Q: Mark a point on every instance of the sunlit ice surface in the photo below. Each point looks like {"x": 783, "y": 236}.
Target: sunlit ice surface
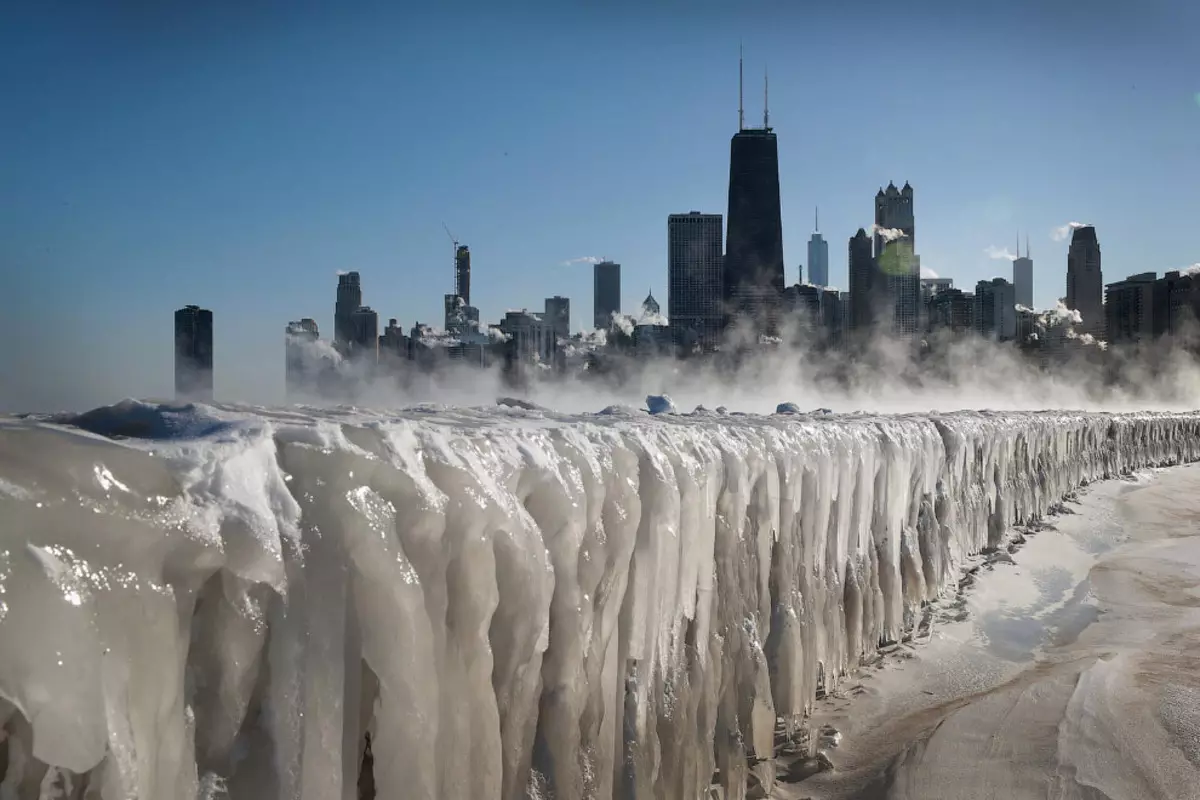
{"x": 503, "y": 601}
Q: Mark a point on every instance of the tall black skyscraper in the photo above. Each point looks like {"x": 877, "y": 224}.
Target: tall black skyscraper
{"x": 868, "y": 291}
{"x": 606, "y": 293}
{"x": 1085, "y": 280}
{"x": 194, "y": 354}
{"x": 753, "y": 270}
{"x": 349, "y": 298}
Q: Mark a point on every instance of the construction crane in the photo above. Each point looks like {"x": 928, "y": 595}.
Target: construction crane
{"x": 451, "y": 235}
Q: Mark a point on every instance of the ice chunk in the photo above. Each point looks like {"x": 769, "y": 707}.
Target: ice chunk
{"x": 660, "y": 404}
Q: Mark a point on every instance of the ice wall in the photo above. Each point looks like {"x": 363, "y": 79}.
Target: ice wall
{"x": 197, "y": 601}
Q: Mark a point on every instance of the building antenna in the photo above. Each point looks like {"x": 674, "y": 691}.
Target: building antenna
{"x": 1027, "y": 244}
{"x": 766, "y": 103}
{"x": 741, "y": 109}
{"x": 817, "y": 219}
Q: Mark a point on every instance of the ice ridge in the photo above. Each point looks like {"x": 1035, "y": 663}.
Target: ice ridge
{"x": 505, "y": 602}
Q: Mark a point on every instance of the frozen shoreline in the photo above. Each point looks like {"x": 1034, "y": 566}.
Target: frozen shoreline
{"x": 589, "y": 606}
{"x": 1073, "y": 674}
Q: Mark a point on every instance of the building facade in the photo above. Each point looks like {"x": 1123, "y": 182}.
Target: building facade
{"x": 1129, "y": 309}
{"x": 606, "y": 293}
{"x": 301, "y": 366}
{"x": 833, "y": 314}
{"x": 1085, "y": 281}
{"x": 995, "y": 310}
{"x": 364, "y": 334}
{"x": 529, "y": 337}
{"x": 932, "y": 286}
{"x": 558, "y": 316}
{"x": 194, "y": 354}
{"x": 695, "y": 280}
{"x": 393, "y": 343}
{"x": 867, "y": 290}
{"x": 951, "y": 310}
{"x": 1177, "y": 303}
{"x": 753, "y": 271}
{"x": 462, "y": 273}
{"x": 349, "y": 300}
{"x": 895, "y": 256}
{"x": 818, "y": 257}
{"x": 1022, "y": 269}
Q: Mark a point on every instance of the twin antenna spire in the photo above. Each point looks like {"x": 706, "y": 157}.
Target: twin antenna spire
{"x": 1019, "y": 245}
{"x": 741, "y": 104}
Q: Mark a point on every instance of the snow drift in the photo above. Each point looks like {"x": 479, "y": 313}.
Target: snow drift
{"x": 197, "y": 601}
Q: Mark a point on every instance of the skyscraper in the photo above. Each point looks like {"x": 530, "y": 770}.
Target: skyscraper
{"x": 894, "y": 209}
{"x": 695, "y": 255}
{"x": 867, "y": 290}
{"x": 1023, "y": 276}
{"x": 349, "y": 299}
{"x": 606, "y": 293}
{"x": 194, "y": 354}
{"x": 995, "y": 309}
{"x": 364, "y": 334}
{"x": 301, "y": 364}
{"x": 462, "y": 273}
{"x": 1085, "y": 280}
{"x": 1129, "y": 309}
{"x": 951, "y": 310}
{"x": 460, "y": 318}
{"x": 818, "y": 256}
{"x": 558, "y": 316}
{"x": 754, "y": 275}
{"x": 895, "y": 254}
{"x": 832, "y": 314}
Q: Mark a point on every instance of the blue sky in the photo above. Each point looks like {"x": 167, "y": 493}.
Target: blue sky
{"x": 155, "y": 154}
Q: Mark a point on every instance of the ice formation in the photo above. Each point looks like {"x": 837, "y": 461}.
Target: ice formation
{"x": 511, "y": 603}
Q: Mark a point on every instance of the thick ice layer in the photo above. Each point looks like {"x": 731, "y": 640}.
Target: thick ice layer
{"x": 511, "y": 603}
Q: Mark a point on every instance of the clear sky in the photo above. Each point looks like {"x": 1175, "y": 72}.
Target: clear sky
{"x": 236, "y": 155}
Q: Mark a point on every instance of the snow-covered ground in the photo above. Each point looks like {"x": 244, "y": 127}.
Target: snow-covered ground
{"x": 1069, "y": 668}
{"x": 511, "y": 602}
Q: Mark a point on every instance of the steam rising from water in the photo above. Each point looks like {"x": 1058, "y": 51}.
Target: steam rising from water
{"x": 882, "y": 373}
{"x": 887, "y": 374}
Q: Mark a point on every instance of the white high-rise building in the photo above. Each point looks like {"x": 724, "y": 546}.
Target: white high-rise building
{"x": 818, "y": 256}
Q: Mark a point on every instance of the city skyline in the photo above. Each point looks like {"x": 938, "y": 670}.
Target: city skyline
{"x": 196, "y": 185}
